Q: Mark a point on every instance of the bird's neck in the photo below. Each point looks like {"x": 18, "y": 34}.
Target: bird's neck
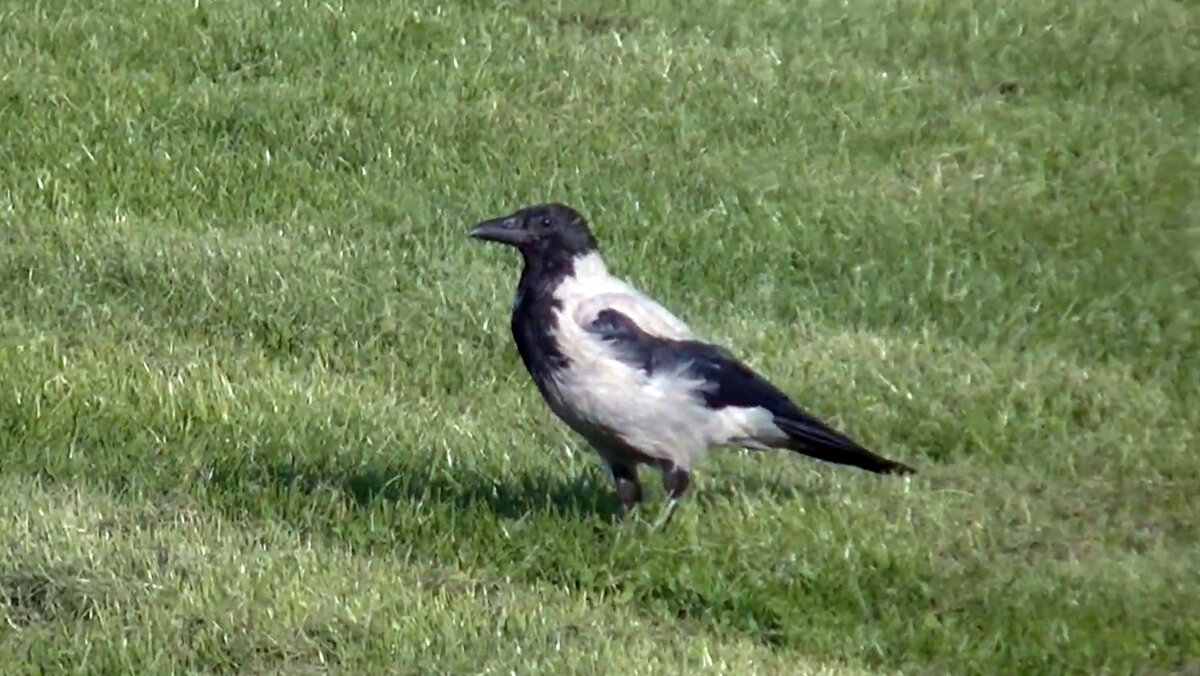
{"x": 535, "y": 309}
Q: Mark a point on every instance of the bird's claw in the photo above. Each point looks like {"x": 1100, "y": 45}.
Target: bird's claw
{"x": 667, "y": 513}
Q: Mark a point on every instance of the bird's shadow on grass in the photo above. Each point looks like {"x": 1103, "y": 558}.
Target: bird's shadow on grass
{"x": 517, "y": 495}
{"x": 513, "y": 497}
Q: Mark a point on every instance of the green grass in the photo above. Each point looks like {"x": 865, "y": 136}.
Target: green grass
{"x": 260, "y": 411}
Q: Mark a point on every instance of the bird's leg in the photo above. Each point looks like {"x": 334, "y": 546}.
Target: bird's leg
{"x": 675, "y": 482}
{"x": 629, "y": 490}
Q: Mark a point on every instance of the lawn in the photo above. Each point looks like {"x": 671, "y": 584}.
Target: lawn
{"x": 260, "y": 411}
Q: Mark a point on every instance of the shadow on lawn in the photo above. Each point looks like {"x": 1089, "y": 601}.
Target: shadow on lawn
{"x": 510, "y": 498}
{"x": 584, "y": 495}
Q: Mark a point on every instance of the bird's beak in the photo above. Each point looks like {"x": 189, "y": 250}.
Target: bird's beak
{"x": 506, "y": 230}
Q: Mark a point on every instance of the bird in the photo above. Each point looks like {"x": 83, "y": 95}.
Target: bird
{"x": 632, "y": 378}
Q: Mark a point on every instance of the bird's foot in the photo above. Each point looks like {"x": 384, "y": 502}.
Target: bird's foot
{"x": 629, "y": 494}
{"x": 675, "y": 481}
{"x": 624, "y": 513}
{"x": 667, "y": 514}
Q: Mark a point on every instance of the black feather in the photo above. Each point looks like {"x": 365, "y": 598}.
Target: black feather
{"x": 534, "y": 307}
{"x": 729, "y": 382}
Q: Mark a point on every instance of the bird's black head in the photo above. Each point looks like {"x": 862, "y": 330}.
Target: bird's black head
{"x": 542, "y": 231}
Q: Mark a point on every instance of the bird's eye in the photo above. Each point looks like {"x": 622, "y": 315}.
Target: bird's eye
{"x": 545, "y": 223}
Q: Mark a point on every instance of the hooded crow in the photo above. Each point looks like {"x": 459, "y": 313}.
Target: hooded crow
{"x": 631, "y": 378}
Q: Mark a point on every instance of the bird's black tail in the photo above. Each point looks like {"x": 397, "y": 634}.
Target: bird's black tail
{"x": 811, "y": 437}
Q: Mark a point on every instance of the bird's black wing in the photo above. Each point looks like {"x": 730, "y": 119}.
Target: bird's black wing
{"x": 629, "y": 341}
{"x": 726, "y": 381}
{"x": 732, "y": 383}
